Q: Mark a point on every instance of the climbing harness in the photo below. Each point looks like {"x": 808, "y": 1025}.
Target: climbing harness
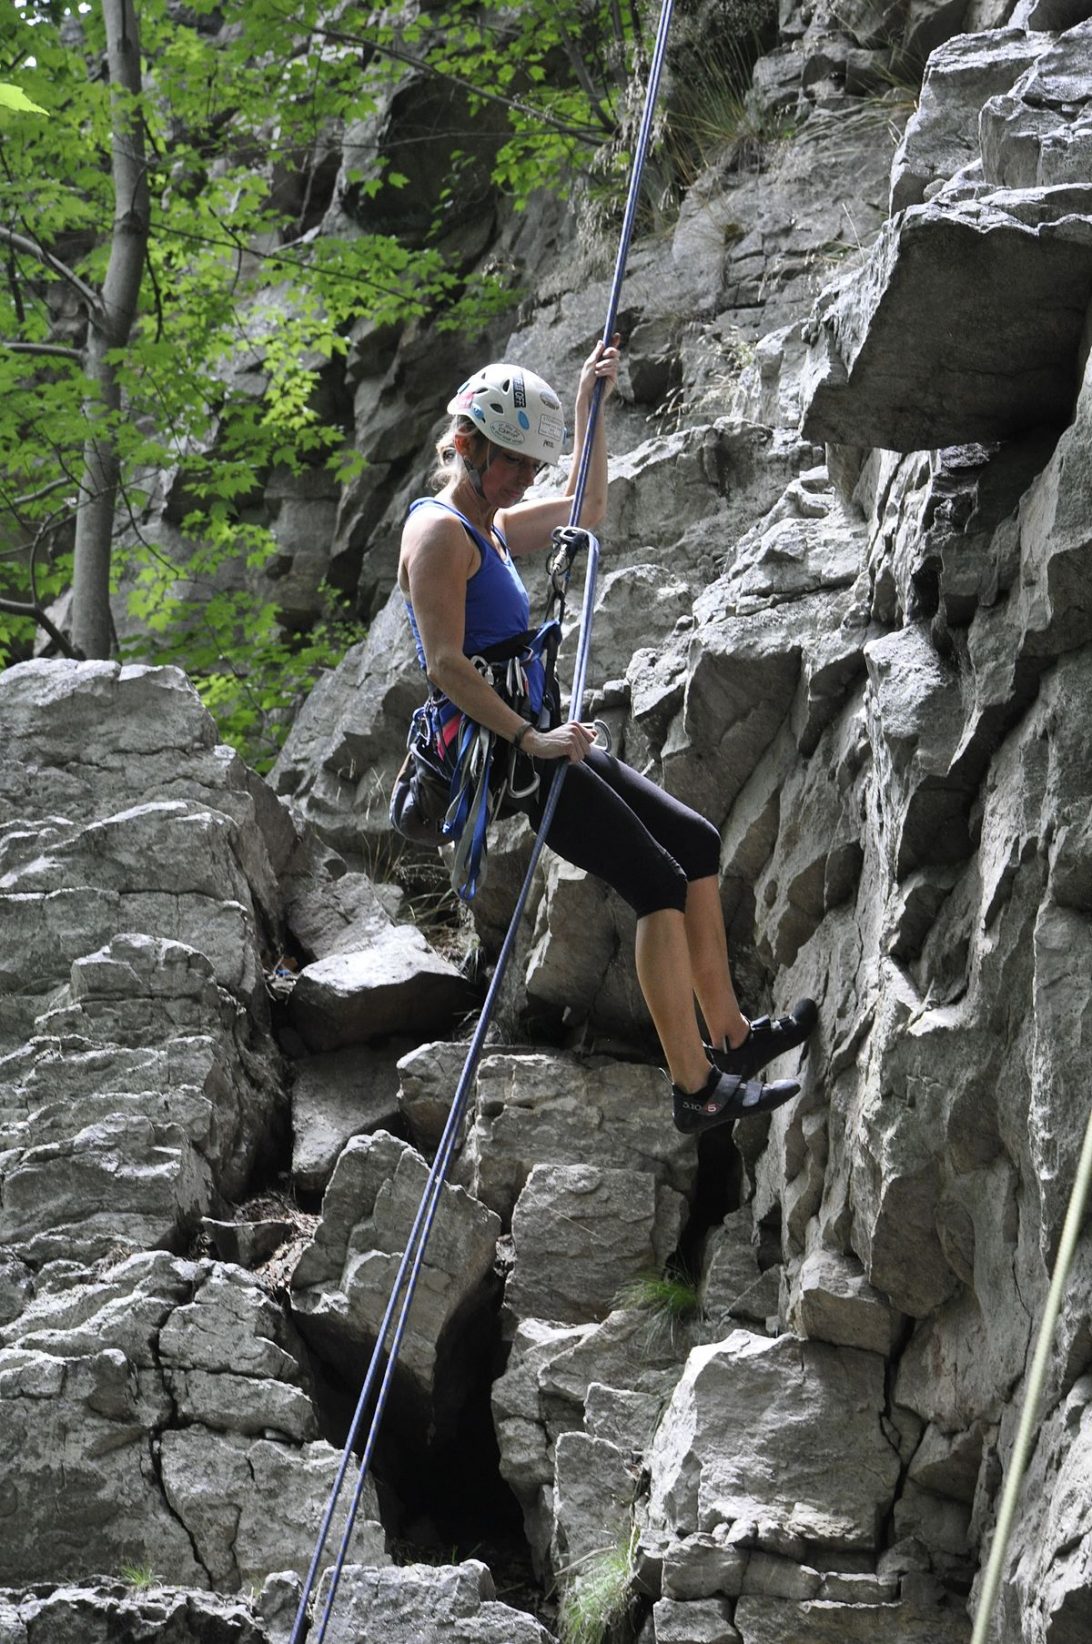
{"x": 1033, "y": 1393}
{"x": 568, "y": 543}
{"x": 448, "y": 790}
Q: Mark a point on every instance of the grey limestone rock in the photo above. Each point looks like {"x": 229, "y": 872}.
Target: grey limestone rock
{"x": 983, "y": 374}
{"x": 176, "y": 1392}
{"x": 580, "y": 1232}
{"x": 428, "y": 1077}
{"x": 547, "y": 1386}
{"x": 143, "y": 1092}
{"x": 831, "y": 1300}
{"x": 397, "y": 983}
{"x": 348, "y": 740}
{"x": 733, "y": 1286}
{"x": 703, "y": 1565}
{"x": 427, "y": 1604}
{"x": 343, "y": 1279}
{"x": 826, "y": 1621}
{"x": 941, "y": 136}
{"x": 1039, "y": 134}
{"x": 336, "y": 1095}
{"x": 593, "y": 1500}
{"x": 101, "y": 1612}
{"x": 792, "y": 1409}
{"x": 701, "y": 1621}
{"x": 1046, "y": 1592}
{"x": 537, "y": 1109}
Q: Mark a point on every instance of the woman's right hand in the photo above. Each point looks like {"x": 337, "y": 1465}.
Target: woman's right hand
{"x": 571, "y": 741}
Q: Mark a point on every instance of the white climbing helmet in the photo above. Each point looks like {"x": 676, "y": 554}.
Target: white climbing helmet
{"x": 515, "y": 409}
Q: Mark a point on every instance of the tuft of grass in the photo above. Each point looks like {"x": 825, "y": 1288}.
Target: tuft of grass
{"x": 597, "y": 1594}
{"x": 672, "y": 1302}
{"x": 139, "y": 1576}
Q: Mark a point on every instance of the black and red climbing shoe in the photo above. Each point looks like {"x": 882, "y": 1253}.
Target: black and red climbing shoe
{"x": 768, "y": 1037}
{"x": 725, "y": 1097}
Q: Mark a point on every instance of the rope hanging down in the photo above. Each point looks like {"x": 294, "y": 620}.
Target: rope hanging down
{"x": 1033, "y": 1393}
{"x": 405, "y": 1282}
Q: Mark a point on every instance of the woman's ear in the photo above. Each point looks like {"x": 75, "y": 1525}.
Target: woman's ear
{"x": 470, "y": 445}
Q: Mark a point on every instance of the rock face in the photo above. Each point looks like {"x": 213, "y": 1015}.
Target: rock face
{"x": 1000, "y": 146}
{"x": 176, "y": 1394}
{"x": 778, "y": 1397}
{"x": 344, "y": 1278}
{"x": 778, "y": 1376}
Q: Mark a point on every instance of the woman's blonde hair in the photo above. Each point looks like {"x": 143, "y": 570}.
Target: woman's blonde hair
{"x": 449, "y": 464}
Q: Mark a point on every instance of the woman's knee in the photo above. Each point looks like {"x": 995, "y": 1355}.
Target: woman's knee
{"x": 703, "y": 849}
{"x": 660, "y": 884}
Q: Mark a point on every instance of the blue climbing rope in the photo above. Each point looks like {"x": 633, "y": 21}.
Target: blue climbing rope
{"x": 409, "y": 1269}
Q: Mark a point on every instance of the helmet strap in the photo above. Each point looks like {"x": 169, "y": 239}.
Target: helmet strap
{"x": 473, "y": 473}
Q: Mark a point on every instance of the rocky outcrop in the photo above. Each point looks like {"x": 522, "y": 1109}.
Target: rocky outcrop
{"x": 998, "y": 146}
{"x": 343, "y": 1280}
{"x": 177, "y": 1395}
{"x": 419, "y": 1604}
{"x": 846, "y": 614}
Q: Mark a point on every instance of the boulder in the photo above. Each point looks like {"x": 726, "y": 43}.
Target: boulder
{"x": 580, "y": 1232}
{"x": 827, "y": 1621}
{"x": 593, "y": 1500}
{"x": 547, "y": 1387}
{"x": 733, "y": 1286}
{"x": 428, "y": 1079}
{"x": 349, "y": 738}
{"x": 336, "y": 1095}
{"x": 831, "y": 1300}
{"x": 537, "y": 1109}
{"x": 1039, "y": 134}
{"x": 100, "y": 1612}
{"x": 342, "y": 1282}
{"x": 705, "y": 1621}
{"x": 941, "y": 136}
{"x": 426, "y": 1604}
{"x": 803, "y": 1451}
{"x": 143, "y": 1093}
{"x": 960, "y": 278}
{"x": 106, "y": 737}
{"x": 396, "y": 984}
{"x": 1046, "y": 1581}
{"x": 177, "y": 1393}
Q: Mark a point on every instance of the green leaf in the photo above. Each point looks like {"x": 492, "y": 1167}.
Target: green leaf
{"x": 13, "y": 97}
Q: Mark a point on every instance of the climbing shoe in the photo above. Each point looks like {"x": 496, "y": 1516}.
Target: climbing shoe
{"x": 767, "y": 1038}
{"x": 725, "y": 1097}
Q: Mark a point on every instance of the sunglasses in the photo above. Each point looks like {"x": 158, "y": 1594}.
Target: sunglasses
{"x": 513, "y": 460}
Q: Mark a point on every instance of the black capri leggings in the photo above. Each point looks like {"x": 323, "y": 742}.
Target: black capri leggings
{"x": 615, "y": 823}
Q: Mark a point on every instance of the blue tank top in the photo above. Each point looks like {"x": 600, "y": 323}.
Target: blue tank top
{"x": 497, "y": 604}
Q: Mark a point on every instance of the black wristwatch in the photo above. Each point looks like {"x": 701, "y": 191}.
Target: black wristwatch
{"x": 521, "y": 733}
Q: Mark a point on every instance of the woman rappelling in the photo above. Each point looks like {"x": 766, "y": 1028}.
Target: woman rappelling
{"x": 465, "y": 599}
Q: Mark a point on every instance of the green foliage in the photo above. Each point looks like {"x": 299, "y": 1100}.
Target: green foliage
{"x": 671, "y": 1301}
{"x": 252, "y": 685}
{"x": 139, "y": 1575}
{"x": 250, "y": 109}
{"x": 15, "y": 99}
{"x": 596, "y": 1594}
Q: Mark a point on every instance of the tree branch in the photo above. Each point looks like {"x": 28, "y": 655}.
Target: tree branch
{"x": 583, "y": 78}
{"x": 20, "y": 242}
{"x": 42, "y": 491}
{"x": 36, "y": 614}
{"x": 52, "y": 350}
{"x": 583, "y": 134}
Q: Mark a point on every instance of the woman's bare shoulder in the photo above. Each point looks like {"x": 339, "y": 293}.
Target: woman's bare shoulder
{"x": 435, "y": 537}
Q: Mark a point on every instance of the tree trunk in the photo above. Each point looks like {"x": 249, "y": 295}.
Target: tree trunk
{"x": 92, "y": 627}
